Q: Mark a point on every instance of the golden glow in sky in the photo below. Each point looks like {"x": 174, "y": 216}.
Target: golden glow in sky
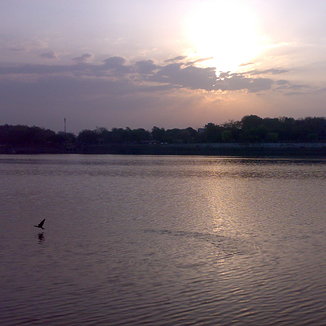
{"x": 225, "y": 31}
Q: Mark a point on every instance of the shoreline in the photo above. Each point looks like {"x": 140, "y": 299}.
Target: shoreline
{"x": 210, "y": 149}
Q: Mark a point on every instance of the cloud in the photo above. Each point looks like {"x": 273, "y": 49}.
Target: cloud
{"x": 25, "y": 46}
{"x": 236, "y": 82}
{"x": 288, "y": 88}
{"x": 146, "y": 75}
{"x": 83, "y": 58}
{"x": 145, "y": 67}
{"x": 271, "y": 71}
{"x": 38, "y": 70}
{"x": 117, "y": 92}
{"x": 192, "y": 77}
{"x": 190, "y": 63}
{"x": 114, "y": 62}
{"x": 117, "y": 65}
{"x": 175, "y": 59}
{"x": 188, "y": 77}
{"x": 246, "y": 64}
{"x": 49, "y": 55}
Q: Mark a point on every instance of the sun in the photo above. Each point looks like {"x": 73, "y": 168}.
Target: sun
{"x": 224, "y": 31}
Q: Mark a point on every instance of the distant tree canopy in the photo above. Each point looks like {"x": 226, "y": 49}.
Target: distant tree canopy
{"x": 32, "y": 136}
{"x": 251, "y": 128}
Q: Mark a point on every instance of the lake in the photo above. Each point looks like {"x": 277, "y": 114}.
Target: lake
{"x": 162, "y": 240}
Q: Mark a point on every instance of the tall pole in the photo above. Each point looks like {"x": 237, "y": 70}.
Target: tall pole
{"x": 65, "y": 125}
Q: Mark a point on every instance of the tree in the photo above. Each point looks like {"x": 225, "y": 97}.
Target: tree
{"x": 158, "y": 134}
{"x": 89, "y": 137}
{"x": 252, "y": 128}
{"x": 249, "y": 122}
{"x": 213, "y": 133}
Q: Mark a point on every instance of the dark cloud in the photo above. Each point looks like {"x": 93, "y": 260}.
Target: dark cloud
{"x": 49, "y": 55}
{"x": 188, "y": 77}
{"x": 145, "y": 67}
{"x": 190, "y": 63}
{"x": 116, "y": 65}
{"x": 39, "y": 70}
{"x": 182, "y": 74}
{"x": 288, "y": 88}
{"x": 83, "y": 58}
{"x": 176, "y": 59}
{"x": 236, "y": 82}
{"x": 272, "y": 71}
{"x": 205, "y": 78}
{"x": 114, "y": 62}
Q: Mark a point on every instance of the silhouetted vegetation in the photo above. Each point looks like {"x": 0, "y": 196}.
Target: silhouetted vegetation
{"x": 250, "y": 129}
{"x": 19, "y": 137}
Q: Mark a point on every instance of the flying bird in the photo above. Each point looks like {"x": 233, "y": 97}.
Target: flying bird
{"x": 40, "y": 225}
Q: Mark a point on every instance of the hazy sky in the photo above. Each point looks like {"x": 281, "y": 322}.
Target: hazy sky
{"x": 171, "y": 63}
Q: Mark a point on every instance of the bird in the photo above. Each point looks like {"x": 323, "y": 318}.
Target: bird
{"x": 40, "y": 225}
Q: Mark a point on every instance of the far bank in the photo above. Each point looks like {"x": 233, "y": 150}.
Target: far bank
{"x": 218, "y": 149}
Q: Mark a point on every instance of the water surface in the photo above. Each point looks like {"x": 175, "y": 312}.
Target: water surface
{"x": 162, "y": 240}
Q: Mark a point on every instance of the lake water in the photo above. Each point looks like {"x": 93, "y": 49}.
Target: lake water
{"x": 155, "y": 240}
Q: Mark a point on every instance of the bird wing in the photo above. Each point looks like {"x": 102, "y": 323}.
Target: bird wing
{"x": 41, "y": 223}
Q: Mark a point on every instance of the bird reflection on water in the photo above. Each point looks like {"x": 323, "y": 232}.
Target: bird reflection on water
{"x": 40, "y": 237}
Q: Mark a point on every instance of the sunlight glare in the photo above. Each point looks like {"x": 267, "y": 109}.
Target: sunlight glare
{"x": 227, "y": 32}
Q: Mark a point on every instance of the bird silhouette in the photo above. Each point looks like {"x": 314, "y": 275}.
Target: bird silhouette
{"x": 40, "y": 225}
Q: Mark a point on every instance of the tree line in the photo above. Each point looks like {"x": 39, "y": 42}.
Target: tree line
{"x": 250, "y": 129}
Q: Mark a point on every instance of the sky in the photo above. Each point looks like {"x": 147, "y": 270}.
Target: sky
{"x": 171, "y": 63}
